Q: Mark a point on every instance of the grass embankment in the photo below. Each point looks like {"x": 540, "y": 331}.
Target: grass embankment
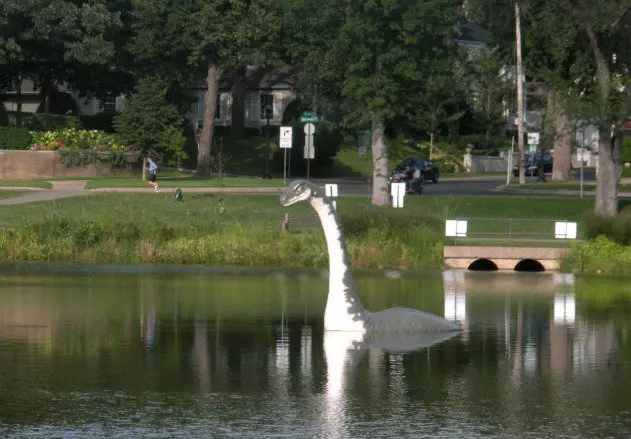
{"x": 43, "y": 184}
{"x": 190, "y": 181}
{"x": 244, "y": 230}
{"x": 12, "y": 193}
{"x": 599, "y": 256}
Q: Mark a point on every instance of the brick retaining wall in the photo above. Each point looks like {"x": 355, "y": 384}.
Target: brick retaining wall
{"x": 21, "y": 165}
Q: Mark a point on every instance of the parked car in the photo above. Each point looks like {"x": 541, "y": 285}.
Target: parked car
{"x": 532, "y": 163}
{"x": 429, "y": 169}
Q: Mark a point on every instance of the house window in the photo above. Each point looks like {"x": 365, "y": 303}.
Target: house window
{"x": 267, "y": 104}
{"x": 218, "y": 107}
{"x": 108, "y": 105}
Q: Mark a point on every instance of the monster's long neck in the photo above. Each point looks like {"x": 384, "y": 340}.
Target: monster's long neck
{"x": 344, "y": 311}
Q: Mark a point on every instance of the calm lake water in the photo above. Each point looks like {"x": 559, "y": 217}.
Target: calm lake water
{"x": 166, "y": 352}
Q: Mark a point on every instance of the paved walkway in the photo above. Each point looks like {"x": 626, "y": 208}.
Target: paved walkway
{"x": 61, "y": 189}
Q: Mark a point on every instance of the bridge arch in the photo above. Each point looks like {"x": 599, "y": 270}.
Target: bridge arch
{"x": 482, "y": 264}
{"x": 529, "y": 265}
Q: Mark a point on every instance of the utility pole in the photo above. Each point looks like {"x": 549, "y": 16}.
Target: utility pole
{"x": 520, "y": 99}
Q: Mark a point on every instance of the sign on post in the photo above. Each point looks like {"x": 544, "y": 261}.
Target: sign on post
{"x": 456, "y": 228}
{"x": 397, "y": 190}
{"x": 308, "y": 116}
{"x": 286, "y": 136}
{"x": 564, "y": 230}
{"x": 309, "y": 150}
{"x": 331, "y": 192}
{"x": 533, "y": 139}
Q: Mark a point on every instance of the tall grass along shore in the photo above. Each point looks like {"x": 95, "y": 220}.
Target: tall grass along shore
{"x": 125, "y": 228}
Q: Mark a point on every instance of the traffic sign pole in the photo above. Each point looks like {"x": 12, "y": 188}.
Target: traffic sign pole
{"x": 285, "y": 167}
{"x": 286, "y": 137}
{"x": 309, "y": 152}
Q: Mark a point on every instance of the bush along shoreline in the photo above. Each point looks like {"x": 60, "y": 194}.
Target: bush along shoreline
{"x": 599, "y": 255}
{"x": 374, "y": 240}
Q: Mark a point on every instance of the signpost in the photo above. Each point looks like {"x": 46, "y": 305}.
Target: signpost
{"x": 286, "y": 138}
{"x": 309, "y": 150}
{"x": 308, "y": 117}
{"x": 364, "y": 142}
{"x": 533, "y": 141}
{"x": 397, "y": 190}
{"x": 331, "y": 192}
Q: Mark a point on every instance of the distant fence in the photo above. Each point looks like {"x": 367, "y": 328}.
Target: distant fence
{"x": 510, "y": 230}
{"x": 483, "y": 163}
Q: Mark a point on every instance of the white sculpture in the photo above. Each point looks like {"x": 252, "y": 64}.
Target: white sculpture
{"x": 344, "y": 311}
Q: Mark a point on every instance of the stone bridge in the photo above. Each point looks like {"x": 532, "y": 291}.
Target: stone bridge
{"x": 504, "y": 258}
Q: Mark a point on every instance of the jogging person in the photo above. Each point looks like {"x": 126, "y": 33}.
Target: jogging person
{"x": 152, "y": 168}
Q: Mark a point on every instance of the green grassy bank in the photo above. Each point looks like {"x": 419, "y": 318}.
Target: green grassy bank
{"x": 127, "y": 228}
{"x": 13, "y": 193}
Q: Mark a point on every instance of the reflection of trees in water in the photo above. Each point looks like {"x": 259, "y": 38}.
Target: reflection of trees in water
{"x": 516, "y": 351}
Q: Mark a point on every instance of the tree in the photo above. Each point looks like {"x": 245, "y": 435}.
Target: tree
{"x": 213, "y": 36}
{"x": 149, "y": 121}
{"x": 582, "y": 49}
{"x": 491, "y": 89}
{"x": 437, "y": 95}
{"x": 372, "y": 55}
{"x": 52, "y": 41}
{"x": 599, "y": 58}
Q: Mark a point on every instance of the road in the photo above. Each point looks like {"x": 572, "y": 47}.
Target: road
{"x": 456, "y": 186}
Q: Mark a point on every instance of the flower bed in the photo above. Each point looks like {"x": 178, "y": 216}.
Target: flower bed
{"x": 82, "y": 147}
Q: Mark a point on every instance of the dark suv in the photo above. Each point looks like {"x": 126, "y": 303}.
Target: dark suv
{"x": 429, "y": 170}
{"x": 532, "y": 162}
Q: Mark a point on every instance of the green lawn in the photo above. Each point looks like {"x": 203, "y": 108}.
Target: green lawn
{"x": 184, "y": 182}
{"x": 252, "y": 209}
{"x": 12, "y": 194}
{"x": 26, "y": 183}
{"x": 573, "y": 186}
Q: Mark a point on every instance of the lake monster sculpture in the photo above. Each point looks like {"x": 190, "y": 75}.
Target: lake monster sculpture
{"x": 344, "y": 311}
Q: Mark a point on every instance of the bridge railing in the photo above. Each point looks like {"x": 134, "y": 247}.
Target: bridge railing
{"x": 511, "y": 230}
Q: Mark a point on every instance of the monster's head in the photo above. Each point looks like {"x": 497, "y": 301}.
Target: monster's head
{"x": 300, "y": 190}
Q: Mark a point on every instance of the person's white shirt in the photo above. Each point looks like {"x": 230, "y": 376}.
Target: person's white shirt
{"x": 417, "y": 173}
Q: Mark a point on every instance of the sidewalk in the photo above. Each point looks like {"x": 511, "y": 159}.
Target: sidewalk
{"x": 61, "y": 189}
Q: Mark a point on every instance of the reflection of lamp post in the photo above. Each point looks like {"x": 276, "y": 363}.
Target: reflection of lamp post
{"x": 268, "y": 115}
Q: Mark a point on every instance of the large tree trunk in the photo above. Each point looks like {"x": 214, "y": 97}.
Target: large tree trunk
{"x": 210, "y": 102}
{"x": 238, "y": 104}
{"x": 380, "y": 195}
{"x": 609, "y": 150}
{"x": 562, "y": 165}
{"x": 609, "y": 173}
{"x": 520, "y": 98}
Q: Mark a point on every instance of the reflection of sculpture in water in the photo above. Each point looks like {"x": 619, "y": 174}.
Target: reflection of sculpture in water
{"x": 343, "y": 351}
{"x": 344, "y": 311}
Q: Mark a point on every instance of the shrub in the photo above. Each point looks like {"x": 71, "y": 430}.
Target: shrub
{"x": 479, "y": 144}
{"x": 77, "y": 157}
{"x": 101, "y": 122}
{"x": 148, "y": 117}
{"x": 617, "y": 228}
{"x": 43, "y": 121}
{"x": 15, "y": 138}
{"x": 600, "y": 255}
